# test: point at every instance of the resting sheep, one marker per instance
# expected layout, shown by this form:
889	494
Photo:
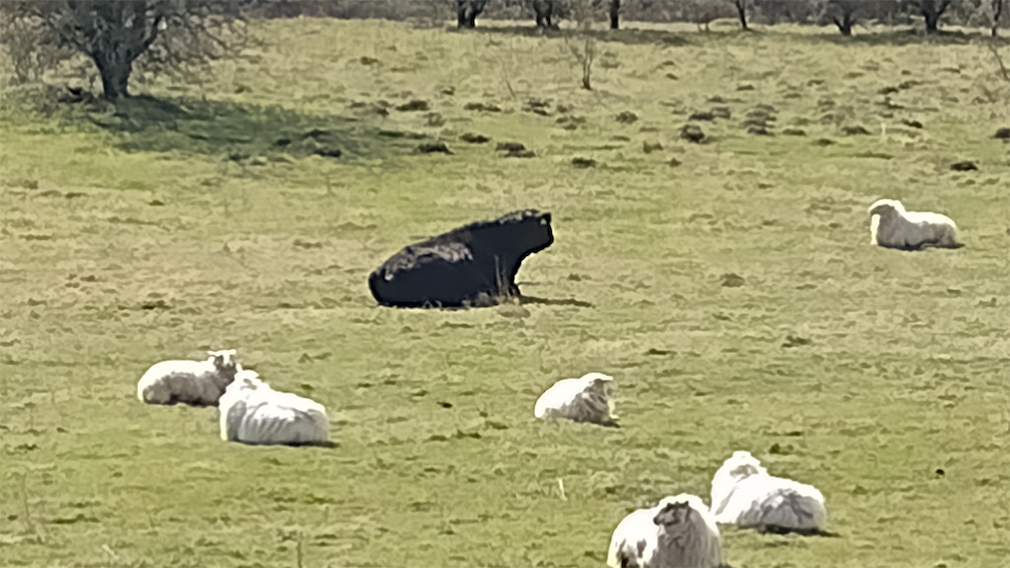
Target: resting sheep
472	265
199	383
586	399
678	533
893	227
744	494
254	413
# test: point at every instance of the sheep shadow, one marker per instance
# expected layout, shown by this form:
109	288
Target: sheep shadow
611	423
799	532
534	300
236	131
327	445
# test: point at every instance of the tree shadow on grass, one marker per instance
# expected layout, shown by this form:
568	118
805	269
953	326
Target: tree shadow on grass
679	39
240	131
627	37
899	38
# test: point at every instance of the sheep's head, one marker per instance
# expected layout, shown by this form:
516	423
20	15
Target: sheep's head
738	467
743	465
885	207
598	382
246	379
224	360
678	510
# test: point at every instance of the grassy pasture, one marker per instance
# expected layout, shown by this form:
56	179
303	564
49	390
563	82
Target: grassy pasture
167	228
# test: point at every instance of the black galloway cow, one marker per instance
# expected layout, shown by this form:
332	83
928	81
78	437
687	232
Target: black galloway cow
470	266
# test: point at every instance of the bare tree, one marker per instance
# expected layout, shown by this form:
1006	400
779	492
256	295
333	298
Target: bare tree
115	34
585	54
615	14
1004	72
997	12
467	12
741	11
547	13
584	12
844	13
702	12
931	11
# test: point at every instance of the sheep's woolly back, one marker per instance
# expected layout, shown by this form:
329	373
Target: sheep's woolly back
678	533
743	493
586	399
780	505
634	540
254	413
199	383
892	226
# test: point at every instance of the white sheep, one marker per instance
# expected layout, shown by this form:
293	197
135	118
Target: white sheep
254	413
744	494
680	532
199	383
586	399
893	227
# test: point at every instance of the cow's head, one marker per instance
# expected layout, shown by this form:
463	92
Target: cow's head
530	229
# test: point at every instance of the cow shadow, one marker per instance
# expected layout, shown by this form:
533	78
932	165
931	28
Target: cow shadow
534	300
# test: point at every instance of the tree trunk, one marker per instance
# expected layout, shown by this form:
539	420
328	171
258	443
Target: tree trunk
997	11
845	24
467	12
932	13
615	14
115	70
545	13
741	10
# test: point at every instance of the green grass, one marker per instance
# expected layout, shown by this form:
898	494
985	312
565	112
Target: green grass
266	248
